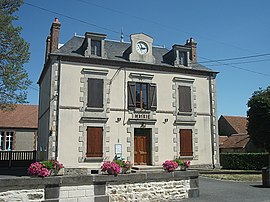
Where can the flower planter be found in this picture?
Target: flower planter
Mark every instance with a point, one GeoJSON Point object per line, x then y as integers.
{"type": "Point", "coordinates": [110, 167]}
{"type": "Point", "coordinates": [183, 168]}
{"type": "Point", "coordinates": [125, 170]}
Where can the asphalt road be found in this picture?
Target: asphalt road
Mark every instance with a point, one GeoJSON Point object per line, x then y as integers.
{"type": "Point", "coordinates": [223, 191]}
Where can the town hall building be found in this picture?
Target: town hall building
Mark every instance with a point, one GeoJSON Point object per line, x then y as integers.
{"type": "Point", "coordinates": [100, 98]}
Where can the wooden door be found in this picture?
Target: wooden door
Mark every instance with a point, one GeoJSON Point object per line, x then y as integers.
{"type": "Point", "coordinates": [142, 149]}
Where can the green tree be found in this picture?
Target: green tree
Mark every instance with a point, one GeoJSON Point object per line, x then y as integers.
{"type": "Point", "coordinates": [14, 52]}
{"type": "Point", "coordinates": [259, 118]}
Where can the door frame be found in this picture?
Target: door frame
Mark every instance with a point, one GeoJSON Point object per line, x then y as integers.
{"type": "Point", "coordinates": [147, 124]}
{"type": "Point", "coordinates": [148, 133]}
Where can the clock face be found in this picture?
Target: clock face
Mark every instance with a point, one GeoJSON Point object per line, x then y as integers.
{"type": "Point", "coordinates": [141, 47]}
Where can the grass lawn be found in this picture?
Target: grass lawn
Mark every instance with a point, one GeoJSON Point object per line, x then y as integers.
{"type": "Point", "coordinates": [235, 177]}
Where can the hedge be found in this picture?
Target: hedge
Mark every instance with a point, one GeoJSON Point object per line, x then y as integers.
{"type": "Point", "coordinates": [244, 161]}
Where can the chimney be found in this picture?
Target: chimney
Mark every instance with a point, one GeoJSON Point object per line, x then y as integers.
{"type": "Point", "coordinates": [55, 30]}
{"type": "Point", "coordinates": [193, 53]}
{"type": "Point", "coordinates": [48, 46]}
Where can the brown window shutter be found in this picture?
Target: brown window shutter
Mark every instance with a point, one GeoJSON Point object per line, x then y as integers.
{"type": "Point", "coordinates": [95, 93]}
{"type": "Point", "coordinates": [131, 95]}
{"type": "Point", "coordinates": [94, 142]}
{"type": "Point", "coordinates": [186, 142]}
{"type": "Point", "coordinates": [184, 98]}
{"type": "Point", "coordinates": [152, 96]}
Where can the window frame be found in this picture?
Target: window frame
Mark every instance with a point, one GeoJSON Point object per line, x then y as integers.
{"type": "Point", "coordinates": [7, 136]}
{"type": "Point", "coordinates": [183, 58]}
{"type": "Point", "coordinates": [186, 151]}
{"type": "Point", "coordinates": [100, 95]}
{"type": "Point", "coordinates": [187, 82]}
{"type": "Point", "coordinates": [143, 105]}
{"type": "Point", "coordinates": [151, 96]}
{"type": "Point", "coordinates": [96, 46]}
{"type": "Point", "coordinates": [89, 153]}
{"type": "Point", "coordinates": [185, 105]}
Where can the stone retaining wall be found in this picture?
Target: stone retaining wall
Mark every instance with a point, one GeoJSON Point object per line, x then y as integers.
{"type": "Point", "coordinates": [156, 186]}
{"type": "Point", "coordinates": [149, 191]}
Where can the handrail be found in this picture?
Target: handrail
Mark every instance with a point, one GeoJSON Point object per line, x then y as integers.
{"type": "Point", "coordinates": [18, 156]}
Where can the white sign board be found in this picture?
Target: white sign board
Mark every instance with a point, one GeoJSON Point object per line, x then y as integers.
{"type": "Point", "coordinates": [118, 149]}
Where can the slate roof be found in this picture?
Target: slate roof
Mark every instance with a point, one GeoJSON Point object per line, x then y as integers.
{"type": "Point", "coordinates": [234, 141]}
{"type": "Point", "coordinates": [23, 116]}
{"type": "Point", "coordinates": [238, 123]}
{"type": "Point", "coordinates": [114, 51]}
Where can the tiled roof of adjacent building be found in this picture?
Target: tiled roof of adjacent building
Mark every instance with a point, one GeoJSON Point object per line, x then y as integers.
{"type": "Point", "coordinates": [114, 51]}
{"type": "Point", "coordinates": [238, 123]}
{"type": "Point", "coordinates": [234, 141]}
{"type": "Point", "coordinates": [23, 116]}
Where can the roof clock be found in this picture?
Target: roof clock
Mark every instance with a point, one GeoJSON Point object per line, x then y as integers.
{"type": "Point", "coordinates": [141, 47]}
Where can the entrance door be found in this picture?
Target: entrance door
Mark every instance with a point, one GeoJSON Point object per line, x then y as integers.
{"type": "Point", "coordinates": [142, 147]}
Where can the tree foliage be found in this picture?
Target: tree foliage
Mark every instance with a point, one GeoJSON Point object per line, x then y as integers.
{"type": "Point", "coordinates": [259, 118]}
{"type": "Point", "coordinates": [14, 52]}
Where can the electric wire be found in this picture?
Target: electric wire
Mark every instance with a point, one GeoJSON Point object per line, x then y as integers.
{"type": "Point", "coordinates": [237, 58]}
{"type": "Point", "coordinates": [164, 25]}
{"type": "Point", "coordinates": [243, 62]}
{"type": "Point", "coordinates": [236, 67]}
{"type": "Point", "coordinates": [113, 31]}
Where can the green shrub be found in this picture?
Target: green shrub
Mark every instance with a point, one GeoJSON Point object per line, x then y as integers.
{"type": "Point", "coordinates": [244, 161]}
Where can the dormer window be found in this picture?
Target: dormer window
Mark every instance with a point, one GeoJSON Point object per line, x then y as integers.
{"type": "Point", "coordinates": [94, 44]}
{"type": "Point", "coordinates": [96, 47]}
{"type": "Point", "coordinates": [183, 58]}
{"type": "Point", "coordinates": [179, 55]}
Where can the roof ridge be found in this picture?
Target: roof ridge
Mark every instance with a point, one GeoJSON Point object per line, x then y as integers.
{"type": "Point", "coordinates": [234, 116]}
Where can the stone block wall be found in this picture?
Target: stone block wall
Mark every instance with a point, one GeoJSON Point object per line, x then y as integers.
{"type": "Point", "coordinates": [149, 191]}
{"type": "Point", "coordinates": [155, 186]}
{"type": "Point", "coordinates": [71, 193]}
{"type": "Point", "coordinates": [33, 195]}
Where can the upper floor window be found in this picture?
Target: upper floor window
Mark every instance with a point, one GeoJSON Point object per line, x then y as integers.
{"type": "Point", "coordinates": [95, 93]}
{"type": "Point", "coordinates": [184, 93]}
{"type": "Point", "coordinates": [6, 140]}
{"type": "Point", "coordinates": [142, 96]}
{"type": "Point", "coordinates": [96, 47]}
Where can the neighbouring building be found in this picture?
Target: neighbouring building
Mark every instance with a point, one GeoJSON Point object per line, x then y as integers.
{"type": "Point", "coordinates": [100, 97]}
{"type": "Point", "coordinates": [234, 135]}
{"type": "Point", "coordinates": [18, 128]}
{"type": "Point", "coordinates": [228, 125]}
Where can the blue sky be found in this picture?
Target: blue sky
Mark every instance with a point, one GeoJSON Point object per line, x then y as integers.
{"type": "Point", "coordinates": [222, 29]}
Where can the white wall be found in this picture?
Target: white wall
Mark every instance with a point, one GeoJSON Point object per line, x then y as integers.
{"type": "Point", "coordinates": [69, 117]}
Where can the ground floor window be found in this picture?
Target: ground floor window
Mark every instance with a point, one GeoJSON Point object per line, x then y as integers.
{"type": "Point", "coordinates": [94, 142]}
{"type": "Point", "coordinates": [6, 140]}
{"type": "Point", "coordinates": [186, 148]}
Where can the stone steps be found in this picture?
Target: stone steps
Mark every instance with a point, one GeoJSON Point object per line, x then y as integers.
{"type": "Point", "coordinates": [146, 169]}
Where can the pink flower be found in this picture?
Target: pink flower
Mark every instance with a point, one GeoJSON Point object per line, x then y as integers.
{"type": "Point", "coordinates": [110, 167]}
{"type": "Point", "coordinates": [44, 169]}
{"type": "Point", "coordinates": [187, 163]}
{"type": "Point", "coordinates": [169, 165]}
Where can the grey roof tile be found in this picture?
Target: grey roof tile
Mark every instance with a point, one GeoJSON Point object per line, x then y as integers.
{"type": "Point", "coordinates": [114, 51]}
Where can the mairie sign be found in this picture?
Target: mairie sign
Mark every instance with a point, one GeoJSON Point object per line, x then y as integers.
{"type": "Point", "coordinates": [141, 116]}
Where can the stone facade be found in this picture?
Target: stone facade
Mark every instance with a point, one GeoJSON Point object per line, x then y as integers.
{"type": "Point", "coordinates": [145, 103]}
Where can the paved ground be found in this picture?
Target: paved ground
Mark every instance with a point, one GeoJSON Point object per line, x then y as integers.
{"type": "Point", "coordinates": [228, 191]}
